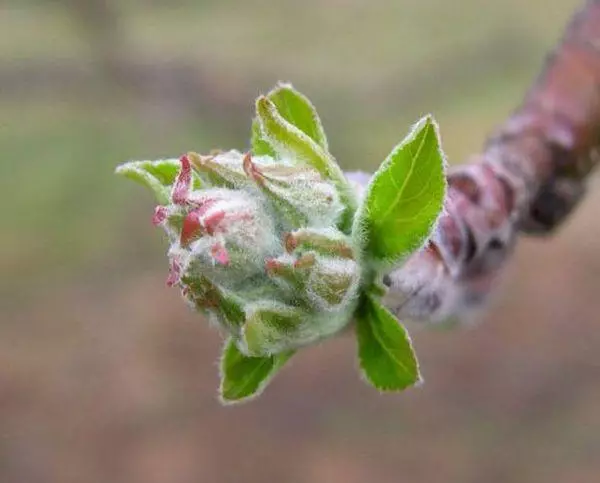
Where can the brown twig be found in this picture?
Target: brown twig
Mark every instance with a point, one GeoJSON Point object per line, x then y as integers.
{"type": "Point", "coordinates": [528, 178]}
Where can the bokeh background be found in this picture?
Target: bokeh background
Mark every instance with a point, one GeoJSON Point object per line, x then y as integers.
{"type": "Point", "coordinates": [104, 373]}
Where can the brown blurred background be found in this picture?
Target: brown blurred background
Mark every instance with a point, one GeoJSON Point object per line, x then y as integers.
{"type": "Point", "coordinates": [105, 376]}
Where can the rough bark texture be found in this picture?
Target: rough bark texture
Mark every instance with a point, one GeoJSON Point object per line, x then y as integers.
{"type": "Point", "coordinates": [528, 178]}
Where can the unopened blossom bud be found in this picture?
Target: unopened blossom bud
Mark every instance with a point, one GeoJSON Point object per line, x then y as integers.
{"type": "Point", "coordinates": [277, 248]}
{"type": "Point", "coordinates": [272, 327]}
{"type": "Point", "coordinates": [224, 234]}
{"type": "Point", "coordinates": [332, 282]}
{"type": "Point", "coordinates": [298, 193]}
{"type": "Point", "coordinates": [326, 241]}
{"type": "Point", "coordinates": [234, 257]}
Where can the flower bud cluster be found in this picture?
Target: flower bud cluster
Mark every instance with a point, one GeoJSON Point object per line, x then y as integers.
{"type": "Point", "coordinates": [257, 248]}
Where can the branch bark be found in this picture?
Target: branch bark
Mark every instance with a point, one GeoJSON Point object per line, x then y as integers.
{"type": "Point", "coordinates": [528, 178]}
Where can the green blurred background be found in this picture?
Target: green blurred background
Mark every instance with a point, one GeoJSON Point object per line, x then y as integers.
{"type": "Point", "coordinates": [105, 376]}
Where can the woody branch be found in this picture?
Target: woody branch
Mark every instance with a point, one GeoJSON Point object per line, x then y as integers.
{"type": "Point", "coordinates": [529, 176]}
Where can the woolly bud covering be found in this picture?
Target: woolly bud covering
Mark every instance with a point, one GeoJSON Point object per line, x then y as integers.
{"type": "Point", "coordinates": [279, 250]}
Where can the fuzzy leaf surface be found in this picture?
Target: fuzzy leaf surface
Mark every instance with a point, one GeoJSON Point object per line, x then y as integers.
{"type": "Point", "coordinates": [385, 352]}
{"type": "Point", "coordinates": [296, 109]}
{"type": "Point", "coordinates": [258, 145]}
{"type": "Point", "coordinates": [404, 198]}
{"type": "Point", "coordinates": [243, 377]}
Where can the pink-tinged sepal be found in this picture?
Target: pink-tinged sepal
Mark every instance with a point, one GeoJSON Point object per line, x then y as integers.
{"type": "Point", "coordinates": [175, 270]}
{"type": "Point", "coordinates": [219, 254]}
{"type": "Point", "coordinates": [191, 228]}
{"type": "Point", "coordinates": [183, 182]}
{"type": "Point", "coordinates": [160, 215]}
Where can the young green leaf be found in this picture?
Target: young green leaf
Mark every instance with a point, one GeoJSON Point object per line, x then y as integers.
{"type": "Point", "coordinates": [296, 109]}
{"type": "Point", "coordinates": [156, 175]}
{"type": "Point", "coordinates": [385, 352]}
{"type": "Point", "coordinates": [243, 377]}
{"type": "Point", "coordinates": [405, 196]}
{"type": "Point", "coordinates": [258, 145]}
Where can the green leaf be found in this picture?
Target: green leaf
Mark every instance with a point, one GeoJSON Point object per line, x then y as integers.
{"type": "Point", "coordinates": [404, 198]}
{"type": "Point", "coordinates": [258, 145]}
{"type": "Point", "coordinates": [157, 175]}
{"type": "Point", "coordinates": [385, 352]}
{"type": "Point", "coordinates": [296, 109]}
{"type": "Point", "coordinates": [244, 377]}
{"type": "Point", "coordinates": [289, 141]}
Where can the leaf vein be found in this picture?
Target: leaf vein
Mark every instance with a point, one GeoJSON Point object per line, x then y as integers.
{"type": "Point", "coordinates": [405, 181]}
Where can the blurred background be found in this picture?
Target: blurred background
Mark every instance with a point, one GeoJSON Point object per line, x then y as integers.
{"type": "Point", "coordinates": [105, 375]}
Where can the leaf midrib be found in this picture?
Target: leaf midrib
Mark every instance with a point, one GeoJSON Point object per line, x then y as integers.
{"type": "Point", "coordinates": [385, 348]}
{"type": "Point", "coordinates": [380, 220]}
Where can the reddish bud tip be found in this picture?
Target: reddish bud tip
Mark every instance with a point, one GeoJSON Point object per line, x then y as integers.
{"type": "Point", "coordinates": [219, 254]}
{"type": "Point", "coordinates": [272, 266]}
{"type": "Point", "coordinates": [305, 261]}
{"type": "Point", "coordinates": [290, 242]}
{"type": "Point", "coordinates": [250, 169]}
{"type": "Point", "coordinates": [181, 189]}
{"type": "Point", "coordinates": [160, 215]}
{"type": "Point", "coordinates": [346, 252]}
{"type": "Point", "coordinates": [204, 207]}
{"type": "Point", "coordinates": [212, 221]}
{"type": "Point", "coordinates": [174, 273]}
{"type": "Point", "coordinates": [191, 228]}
